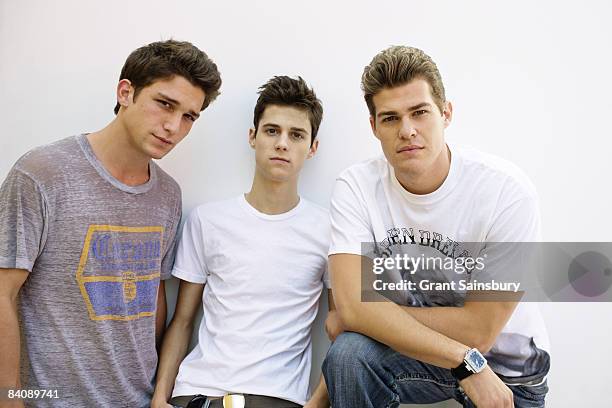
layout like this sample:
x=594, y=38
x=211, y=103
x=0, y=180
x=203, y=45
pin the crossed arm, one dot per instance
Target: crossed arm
x=438, y=336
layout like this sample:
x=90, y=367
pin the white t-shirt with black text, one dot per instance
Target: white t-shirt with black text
x=484, y=199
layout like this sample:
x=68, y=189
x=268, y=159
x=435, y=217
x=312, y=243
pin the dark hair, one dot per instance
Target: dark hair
x=286, y=91
x=166, y=59
x=399, y=65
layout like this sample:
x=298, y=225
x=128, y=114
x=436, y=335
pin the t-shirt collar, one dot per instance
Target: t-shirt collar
x=447, y=186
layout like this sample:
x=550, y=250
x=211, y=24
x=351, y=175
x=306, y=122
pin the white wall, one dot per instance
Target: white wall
x=529, y=81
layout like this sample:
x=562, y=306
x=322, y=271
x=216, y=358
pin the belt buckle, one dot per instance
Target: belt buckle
x=233, y=401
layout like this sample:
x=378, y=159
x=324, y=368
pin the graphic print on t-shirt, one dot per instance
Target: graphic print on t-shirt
x=119, y=270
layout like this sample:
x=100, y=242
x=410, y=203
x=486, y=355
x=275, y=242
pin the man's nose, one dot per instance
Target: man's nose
x=282, y=143
x=407, y=130
x=173, y=123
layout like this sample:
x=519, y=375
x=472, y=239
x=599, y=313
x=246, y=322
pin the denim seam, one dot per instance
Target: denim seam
x=409, y=377
x=529, y=390
x=395, y=394
x=533, y=396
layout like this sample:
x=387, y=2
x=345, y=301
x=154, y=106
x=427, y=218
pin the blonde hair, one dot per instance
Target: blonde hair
x=398, y=65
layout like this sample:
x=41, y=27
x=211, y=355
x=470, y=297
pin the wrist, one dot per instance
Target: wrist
x=458, y=355
x=159, y=396
x=473, y=363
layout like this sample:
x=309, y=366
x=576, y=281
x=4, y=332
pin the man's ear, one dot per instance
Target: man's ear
x=252, y=134
x=313, y=149
x=447, y=113
x=373, y=125
x=125, y=93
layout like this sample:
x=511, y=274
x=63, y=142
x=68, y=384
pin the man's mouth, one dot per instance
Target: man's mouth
x=282, y=159
x=166, y=141
x=409, y=148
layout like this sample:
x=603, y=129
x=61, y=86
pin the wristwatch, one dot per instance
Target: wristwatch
x=473, y=363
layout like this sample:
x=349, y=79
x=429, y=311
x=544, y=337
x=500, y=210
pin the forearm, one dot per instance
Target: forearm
x=384, y=320
x=476, y=324
x=387, y=323
x=173, y=350
x=453, y=322
x=9, y=344
x=160, y=315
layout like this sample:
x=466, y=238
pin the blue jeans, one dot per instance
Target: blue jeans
x=361, y=372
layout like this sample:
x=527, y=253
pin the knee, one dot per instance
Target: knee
x=352, y=349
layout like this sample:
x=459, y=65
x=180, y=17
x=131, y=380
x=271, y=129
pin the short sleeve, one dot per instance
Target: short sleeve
x=350, y=226
x=169, y=256
x=189, y=264
x=23, y=221
x=512, y=240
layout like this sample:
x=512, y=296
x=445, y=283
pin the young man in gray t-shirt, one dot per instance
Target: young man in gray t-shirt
x=87, y=235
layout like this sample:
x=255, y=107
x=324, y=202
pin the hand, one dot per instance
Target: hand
x=486, y=390
x=333, y=325
x=317, y=403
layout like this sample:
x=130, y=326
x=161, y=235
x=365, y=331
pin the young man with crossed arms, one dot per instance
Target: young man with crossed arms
x=426, y=191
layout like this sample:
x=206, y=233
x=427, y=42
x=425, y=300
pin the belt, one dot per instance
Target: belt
x=228, y=401
x=231, y=401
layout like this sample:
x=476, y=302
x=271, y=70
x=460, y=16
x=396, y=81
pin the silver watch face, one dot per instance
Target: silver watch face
x=475, y=360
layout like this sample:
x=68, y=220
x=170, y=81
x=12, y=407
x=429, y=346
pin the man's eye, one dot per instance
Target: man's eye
x=190, y=118
x=164, y=103
x=298, y=135
x=271, y=131
x=389, y=118
x=420, y=112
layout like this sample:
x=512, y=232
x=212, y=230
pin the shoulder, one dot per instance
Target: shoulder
x=367, y=171
x=490, y=171
x=224, y=209
x=314, y=211
x=44, y=162
x=362, y=181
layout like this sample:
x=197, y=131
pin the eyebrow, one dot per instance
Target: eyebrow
x=412, y=108
x=177, y=103
x=295, y=129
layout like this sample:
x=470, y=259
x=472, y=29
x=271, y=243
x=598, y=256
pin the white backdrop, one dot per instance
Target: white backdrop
x=529, y=82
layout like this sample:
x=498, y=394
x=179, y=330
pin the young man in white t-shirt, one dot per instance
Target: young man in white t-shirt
x=258, y=263
x=426, y=194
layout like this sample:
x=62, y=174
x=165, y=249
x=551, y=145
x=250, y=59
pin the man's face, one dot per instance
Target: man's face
x=410, y=128
x=161, y=115
x=282, y=142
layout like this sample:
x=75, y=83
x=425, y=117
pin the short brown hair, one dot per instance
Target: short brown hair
x=286, y=91
x=398, y=65
x=166, y=59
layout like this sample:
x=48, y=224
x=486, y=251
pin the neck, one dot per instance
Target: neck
x=272, y=197
x=112, y=148
x=429, y=180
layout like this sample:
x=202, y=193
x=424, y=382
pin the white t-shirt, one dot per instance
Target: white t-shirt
x=264, y=275
x=483, y=199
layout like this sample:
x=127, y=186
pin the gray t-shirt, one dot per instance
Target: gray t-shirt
x=96, y=250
